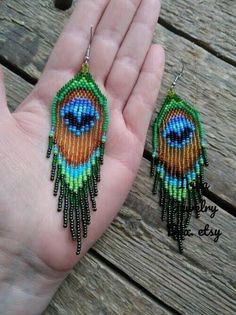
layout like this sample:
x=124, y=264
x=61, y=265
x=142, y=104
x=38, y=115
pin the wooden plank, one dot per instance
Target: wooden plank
x=211, y=23
x=93, y=288
x=28, y=33
x=16, y=89
x=201, y=281
x=209, y=84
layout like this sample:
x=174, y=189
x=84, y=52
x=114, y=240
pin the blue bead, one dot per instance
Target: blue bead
x=79, y=107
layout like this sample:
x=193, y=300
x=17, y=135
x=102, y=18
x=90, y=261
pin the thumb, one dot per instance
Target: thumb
x=4, y=111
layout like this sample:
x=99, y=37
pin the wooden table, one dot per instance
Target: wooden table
x=135, y=268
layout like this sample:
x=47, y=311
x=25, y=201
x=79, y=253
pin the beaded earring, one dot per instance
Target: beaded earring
x=178, y=160
x=79, y=124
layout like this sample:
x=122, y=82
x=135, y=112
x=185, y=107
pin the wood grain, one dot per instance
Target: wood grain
x=92, y=288
x=209, y=84
x=211, y=23
x=201, y=281
x=28, y=33
x=16, y=89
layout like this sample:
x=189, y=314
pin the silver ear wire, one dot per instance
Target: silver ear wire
x=87, y=56
x=178, y=76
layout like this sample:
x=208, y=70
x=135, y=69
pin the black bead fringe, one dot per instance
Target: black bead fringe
x=77, y=206
x=176, y=213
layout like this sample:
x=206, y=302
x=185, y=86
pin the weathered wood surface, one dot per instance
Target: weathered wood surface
x=92, y=288
x=16, y=89
x=28, y=33
x=211, y=23
x=202, y=281
x=210, y=85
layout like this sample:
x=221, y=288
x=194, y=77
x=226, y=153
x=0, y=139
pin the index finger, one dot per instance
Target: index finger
x=68, y=53
x=75, y=37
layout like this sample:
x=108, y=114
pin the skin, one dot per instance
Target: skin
x=36, y=253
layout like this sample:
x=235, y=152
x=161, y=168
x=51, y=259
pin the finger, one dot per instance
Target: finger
x=138, y=111
x=109, y=35
x=126, y=67
x=4, y=111
x=69, y=51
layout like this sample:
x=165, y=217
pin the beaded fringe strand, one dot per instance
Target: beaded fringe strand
x=178, y=161
x=77, y=143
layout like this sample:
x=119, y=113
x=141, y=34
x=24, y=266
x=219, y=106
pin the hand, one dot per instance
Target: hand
x=128, y=69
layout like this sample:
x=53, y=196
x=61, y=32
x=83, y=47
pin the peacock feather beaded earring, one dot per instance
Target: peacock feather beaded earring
x=79, y=124
x=178, y=160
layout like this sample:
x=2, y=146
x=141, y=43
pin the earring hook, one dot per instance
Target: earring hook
x=178, y=76
x=87, y=56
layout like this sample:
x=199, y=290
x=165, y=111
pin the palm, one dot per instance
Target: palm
x=130, y=80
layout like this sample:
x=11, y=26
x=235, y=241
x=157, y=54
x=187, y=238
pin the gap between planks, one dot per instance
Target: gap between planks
x=197, y=42
x=228, y=207
x=18, y=71
x=103, y=247
x=131, y=281
x=223, y=204
x=95, y=287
